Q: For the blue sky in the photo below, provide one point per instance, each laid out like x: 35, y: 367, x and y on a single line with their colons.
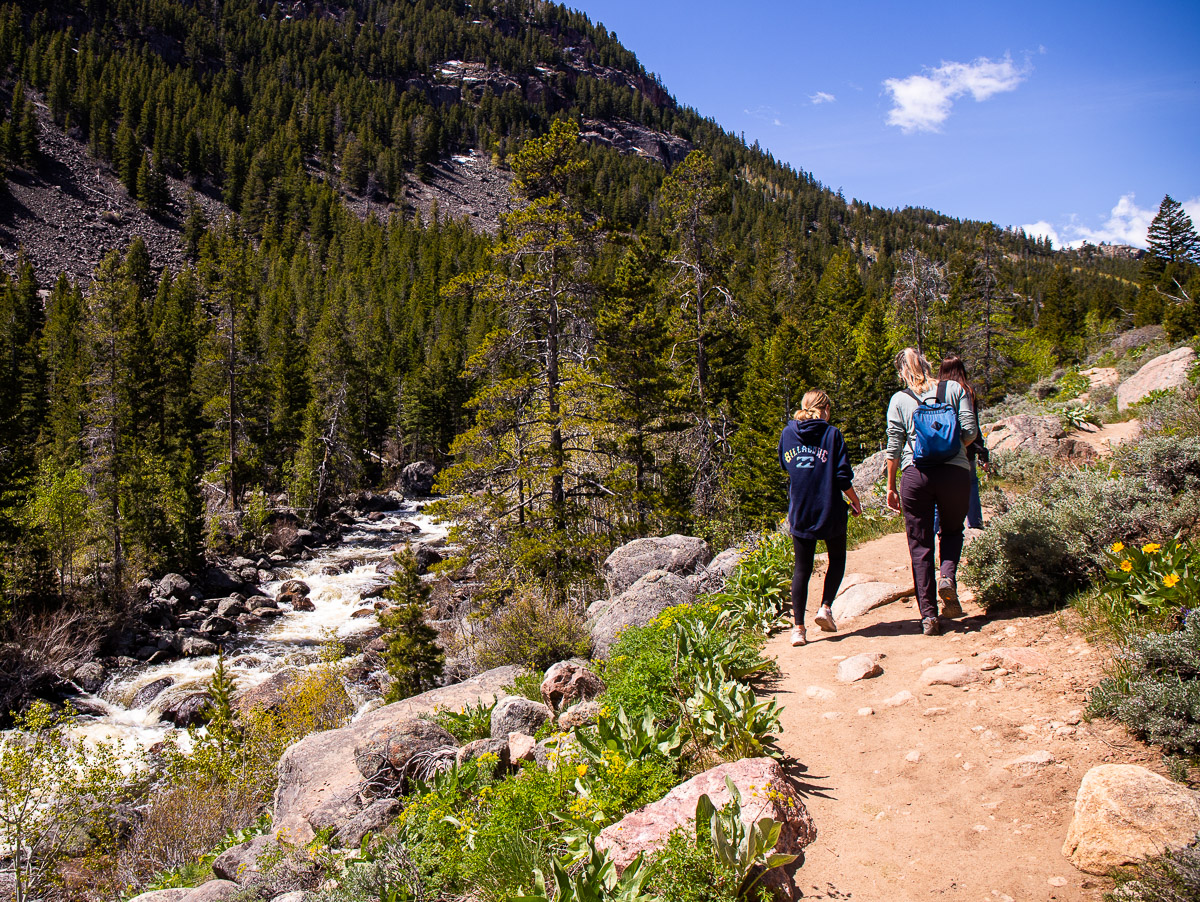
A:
x: 1069, y: 119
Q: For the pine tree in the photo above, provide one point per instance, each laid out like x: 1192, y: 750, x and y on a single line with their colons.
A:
x: 1172, y: 236
x: 840, y: 300
x: 412, y: 657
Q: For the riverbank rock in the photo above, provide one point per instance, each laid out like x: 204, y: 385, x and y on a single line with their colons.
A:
x: 187, y: 710
x: 271, y: 693
x: 299, y: 602
x: 1041, y: 435
x: 320, y: 783
x: 1124, y: 814
x: 637, y: 606
x: 765, y: 791
x: 214, y: 891
x: 1164, y: 372
x: 294, y: 587
x: 566, y: 683
x: 682, y: 555
x: 417, y: 479
x: 856, y: 600
x: 150, y: 692
x: 516, y: 714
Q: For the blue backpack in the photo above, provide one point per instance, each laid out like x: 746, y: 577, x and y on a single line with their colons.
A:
x: 936, y: 437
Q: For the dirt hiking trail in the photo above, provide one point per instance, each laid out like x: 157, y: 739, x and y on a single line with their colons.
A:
x: 928, y: 798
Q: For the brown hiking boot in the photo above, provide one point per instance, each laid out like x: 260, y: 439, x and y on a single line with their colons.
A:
x: 931, y: 626
x: 948, y: 593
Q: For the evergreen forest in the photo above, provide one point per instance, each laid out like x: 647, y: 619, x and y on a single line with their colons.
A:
x: 617, y: 361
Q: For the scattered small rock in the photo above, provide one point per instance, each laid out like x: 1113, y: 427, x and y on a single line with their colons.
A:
x: 900, y: 698
x: 949, y: 675
x: 913, y: 757
x: 859, y: 667
x: 865, y: 712
x: 1027, y: 764
x: 820, y: 693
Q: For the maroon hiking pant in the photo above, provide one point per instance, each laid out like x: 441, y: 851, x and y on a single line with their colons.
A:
x: 922, y: 491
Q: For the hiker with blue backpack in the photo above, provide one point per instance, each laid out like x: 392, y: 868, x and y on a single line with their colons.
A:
x: 929, y: 425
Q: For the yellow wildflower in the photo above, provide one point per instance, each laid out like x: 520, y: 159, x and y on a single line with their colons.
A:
x: 1151, y: 547
x: 1170, y: 580
x: 1126, y: 565
x: 1118, y: 547
x: 581, y: 769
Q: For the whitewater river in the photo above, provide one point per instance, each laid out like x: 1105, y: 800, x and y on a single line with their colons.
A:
x: 291, y: 639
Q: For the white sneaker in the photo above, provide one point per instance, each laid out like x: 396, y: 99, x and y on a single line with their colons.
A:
x: 798, y: 636
x: 824, y: 619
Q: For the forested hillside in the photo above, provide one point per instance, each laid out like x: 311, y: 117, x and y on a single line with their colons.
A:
x: 617, y: 361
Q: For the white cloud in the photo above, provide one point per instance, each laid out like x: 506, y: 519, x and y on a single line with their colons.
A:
x: 1127, y: 223
x: 923, y: 102
x: 821, y: 97
x: 766, y: 113
x: 1041, y: 229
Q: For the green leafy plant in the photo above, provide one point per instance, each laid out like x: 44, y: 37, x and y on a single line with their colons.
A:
x: 749, y: 851
x: 467, y: 724
x: 629, y: 737
x: 596, y: 880
x: 1076, y: 416
x: 1153, y: 582
x: 728, y: 716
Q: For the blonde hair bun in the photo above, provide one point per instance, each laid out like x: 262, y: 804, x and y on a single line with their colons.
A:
x: 815, y: 405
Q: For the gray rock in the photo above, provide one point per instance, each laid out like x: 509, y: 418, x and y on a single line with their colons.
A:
x: 195, y: 647
x: 214, y: 891
x: 568, y: 682
x: 1041, y: 435
x: 150, y: 692
x: 218, y: 626
x: 682, y: 555
x: 858, y: 599
x: 271, y: 693
x: 240, y: 864
x: 241, y: 563
x: 371, y: 819
x: 417, y: 479
x: 90, y: 676
x: 868, y: 474
x: 637, y: 606
x: 1138, y: 338
x: 580, y: 715
x: 481, y: 747
x: 516, y: 714
x: 294, y: 587
x: 426, y: 556
x: 258, y: 603
x: 1162, y: 373
x: 174, y: 586
x: 187, y: 710
x: 713, y: 577
x: 859, y: 667
x: 164, y: 895
x: 298, y: 895
x: 230, y: 608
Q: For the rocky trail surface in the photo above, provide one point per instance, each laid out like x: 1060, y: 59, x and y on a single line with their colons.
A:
x: 953, y: 773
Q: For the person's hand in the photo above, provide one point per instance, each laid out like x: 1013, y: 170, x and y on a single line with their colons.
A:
x: 893, y: 500
x: 856, y: 507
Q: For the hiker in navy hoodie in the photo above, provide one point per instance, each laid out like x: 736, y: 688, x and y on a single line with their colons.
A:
x: 813, y: 454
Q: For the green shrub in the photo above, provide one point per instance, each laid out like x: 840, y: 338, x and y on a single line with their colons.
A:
x: 1043, y: 547
x: 686, y: 870
x: 468, y: 724
x: 531, y: 630
x: 1155, y: 690
x: 1175, y: 877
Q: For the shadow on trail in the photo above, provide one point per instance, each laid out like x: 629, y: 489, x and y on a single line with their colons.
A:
x: 804, y: 782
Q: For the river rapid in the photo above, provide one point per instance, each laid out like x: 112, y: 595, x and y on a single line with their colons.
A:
x: 129, y: 710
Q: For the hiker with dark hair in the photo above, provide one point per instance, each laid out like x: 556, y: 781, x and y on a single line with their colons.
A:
x: 814, y: 456
x: 929, y: 425
x: 954, y: 370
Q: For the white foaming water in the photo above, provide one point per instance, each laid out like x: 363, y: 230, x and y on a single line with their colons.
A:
x: 336, y: 577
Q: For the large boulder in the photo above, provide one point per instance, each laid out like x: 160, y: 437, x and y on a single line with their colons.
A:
x: 371, y: 819
x: 713, y: 577
x: 765, y: 791
x: 164, y: 895
x: 856, y: 600
x: 271, y: 693
x: 214, y: 891
x: 516, y: 714
x: 1164, y: 372
x: 417, y: 478
x: 566, y: 683
x: 868, y: 473
x: 320, y: 784
x: 1138, y: 338
x: 1041, y: 435
x: 1124, y: 814
x: 148, y: 693
x: 637, y: 606
x: 187, y: 709
x: 388, y: 751
x: 683, y: 555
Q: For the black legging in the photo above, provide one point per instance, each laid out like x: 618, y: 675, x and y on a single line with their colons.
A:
x: 805, y: 550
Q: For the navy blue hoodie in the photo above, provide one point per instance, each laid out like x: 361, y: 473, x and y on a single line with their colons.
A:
x: 814, y: 456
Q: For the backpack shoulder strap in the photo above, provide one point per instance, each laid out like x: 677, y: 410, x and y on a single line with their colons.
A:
x: 912, y: 394
x: 941, y: 392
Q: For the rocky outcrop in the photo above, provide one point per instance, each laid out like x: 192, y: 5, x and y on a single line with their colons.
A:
x: 1124, y: 814
x: 765, y: 791
x: 681, y: 555
x: 214, y: 891
x: 635, y: 139
x: 320, y: 782
x: 239, y: 863
x: 870, y: 472
x: 637, y: 606
x: 566, y: 683
x: 1160, y: 374
x: 1041, y: 435
x: 271, y: 693
x: 163, y: 895
x: 1138, y: 338
x: 416, y: 480
x: 713, y: 577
